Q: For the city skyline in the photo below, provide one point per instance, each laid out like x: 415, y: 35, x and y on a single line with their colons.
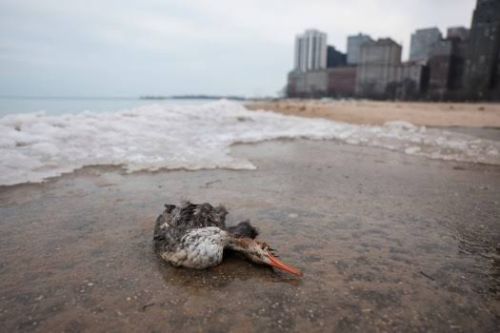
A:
x: 459, y: 65
x: 162, y: 47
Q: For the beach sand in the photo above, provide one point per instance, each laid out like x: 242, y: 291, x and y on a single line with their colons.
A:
x: 377, y: 113
x: 387, y: 242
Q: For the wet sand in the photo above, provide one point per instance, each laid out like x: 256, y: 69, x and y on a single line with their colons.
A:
x: 471, y: 115
x: 388, y: 242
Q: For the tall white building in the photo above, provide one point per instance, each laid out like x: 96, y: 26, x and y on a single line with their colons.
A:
x: 310, y: 51
x: 422, y: 42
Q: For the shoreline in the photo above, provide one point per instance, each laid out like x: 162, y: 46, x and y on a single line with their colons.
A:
x: 157, y: 137
x: 487, y: 133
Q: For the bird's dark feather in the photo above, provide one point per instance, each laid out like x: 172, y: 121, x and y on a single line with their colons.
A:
x: 244, y: 229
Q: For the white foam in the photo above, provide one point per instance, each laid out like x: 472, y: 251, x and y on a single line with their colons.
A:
x: 36, y: 146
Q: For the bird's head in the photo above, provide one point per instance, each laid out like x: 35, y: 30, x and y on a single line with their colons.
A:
x: 262, y: 253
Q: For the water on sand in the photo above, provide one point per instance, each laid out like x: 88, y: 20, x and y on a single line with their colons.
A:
x: 387, y: 241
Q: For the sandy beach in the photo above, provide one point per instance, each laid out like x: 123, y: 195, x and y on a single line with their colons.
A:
x: 378, y: 113
x: 387, y: 241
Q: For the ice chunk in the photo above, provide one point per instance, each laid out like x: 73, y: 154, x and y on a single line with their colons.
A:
x: 36, y: 146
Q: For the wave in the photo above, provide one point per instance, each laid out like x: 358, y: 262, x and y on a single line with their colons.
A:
x: 37, y: 146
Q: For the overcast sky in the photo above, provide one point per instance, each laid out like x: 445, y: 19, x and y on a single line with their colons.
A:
x: 131, y: 48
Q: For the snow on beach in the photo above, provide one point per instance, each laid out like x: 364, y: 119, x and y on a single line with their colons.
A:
x: 36, y: 146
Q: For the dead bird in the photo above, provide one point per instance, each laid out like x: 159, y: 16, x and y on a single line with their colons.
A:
x: 195, y: 236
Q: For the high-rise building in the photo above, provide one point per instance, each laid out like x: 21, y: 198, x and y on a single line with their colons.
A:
x: 458, y: 64
x: 410, y: 81
x: 460, y: 33
x: 335, y: 58
x: 354, y: 47
x: 483, y: 61
x: 310, y: 51
x: 422, y: 42
x: 378, y: 67
x: 440, y: 68
x: 447, y: 65
x: 384, y: 51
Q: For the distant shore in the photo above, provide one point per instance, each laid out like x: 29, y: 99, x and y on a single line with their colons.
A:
x: 378, y: 113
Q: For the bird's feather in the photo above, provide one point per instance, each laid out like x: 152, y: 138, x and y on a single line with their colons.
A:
x: 244, y: 229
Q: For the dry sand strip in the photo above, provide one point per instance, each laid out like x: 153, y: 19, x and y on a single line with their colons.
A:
x: 377, y: 113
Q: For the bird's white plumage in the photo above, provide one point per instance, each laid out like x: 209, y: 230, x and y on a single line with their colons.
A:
x: 204, y: 248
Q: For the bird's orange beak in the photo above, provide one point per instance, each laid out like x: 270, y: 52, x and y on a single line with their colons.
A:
x: 275, y: 262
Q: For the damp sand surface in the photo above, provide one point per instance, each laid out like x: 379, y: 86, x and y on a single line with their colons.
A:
x: 388, y: 242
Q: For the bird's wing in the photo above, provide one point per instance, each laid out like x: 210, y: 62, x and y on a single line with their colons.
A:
x: 165, y: 235
x: 189, y: 215
x: 164, y: 220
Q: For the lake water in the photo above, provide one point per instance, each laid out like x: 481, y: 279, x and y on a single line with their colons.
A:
x: 57, y: 106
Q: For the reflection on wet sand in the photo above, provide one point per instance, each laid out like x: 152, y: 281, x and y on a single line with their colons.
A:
x: 387, y: 242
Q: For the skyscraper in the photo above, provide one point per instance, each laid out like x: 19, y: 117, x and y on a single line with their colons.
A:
x: 440, y: 68
x: 461, y: 33
x: 378, y: 67
x: 310, y: 51
x: 335, y: 58
x: 482, y: 65
x: 354, y: 47
x: 422, y: 42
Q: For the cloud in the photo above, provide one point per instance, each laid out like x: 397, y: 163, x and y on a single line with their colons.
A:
x: 164, y: 46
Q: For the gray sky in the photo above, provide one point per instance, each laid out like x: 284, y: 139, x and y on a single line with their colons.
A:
x: 130, y: 48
